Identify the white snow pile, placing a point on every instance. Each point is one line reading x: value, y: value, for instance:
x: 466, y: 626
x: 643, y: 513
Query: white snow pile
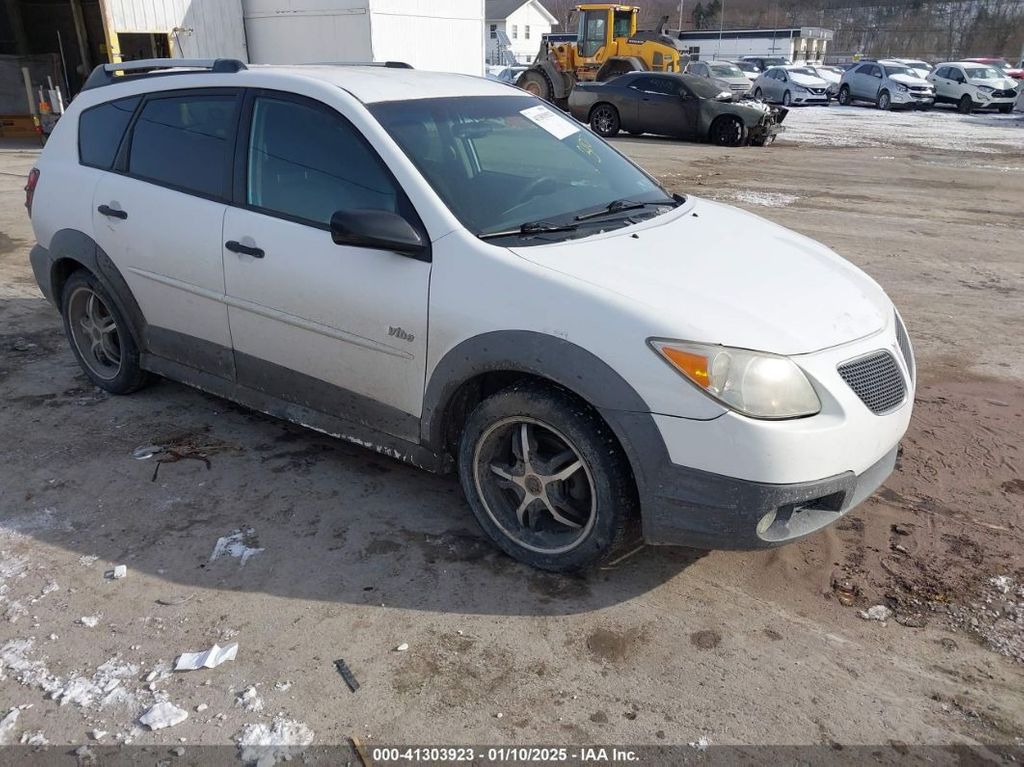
x: 7, y: 725
x: 103, y: 688
x: 163, y: 714
x: 12, y: 565
x: 879, y: 613
x: 236, y: 545
x: 250, y: 700
x: 765, y: 199
x: 265, y: 745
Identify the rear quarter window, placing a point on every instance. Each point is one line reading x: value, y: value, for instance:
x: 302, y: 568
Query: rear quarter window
x: 100, y: 130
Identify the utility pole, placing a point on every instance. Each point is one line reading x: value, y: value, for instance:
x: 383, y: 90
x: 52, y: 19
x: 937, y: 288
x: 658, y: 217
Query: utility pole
x: 721, y: 28
x: 680, y: 15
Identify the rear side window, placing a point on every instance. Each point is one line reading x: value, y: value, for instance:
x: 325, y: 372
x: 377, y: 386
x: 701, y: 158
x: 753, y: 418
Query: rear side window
x: 100, y: 130
x: 185, y: 142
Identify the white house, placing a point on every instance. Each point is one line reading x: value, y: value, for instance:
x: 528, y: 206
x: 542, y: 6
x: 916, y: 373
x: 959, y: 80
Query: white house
x: 515, y: 26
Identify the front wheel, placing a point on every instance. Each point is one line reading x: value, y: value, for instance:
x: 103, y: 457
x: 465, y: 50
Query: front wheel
x: 965, y: 105
x: 1005, y: 108
x: 546, y: 478
x: 757, y: 94
x: 604, y: 120
x: 844, y: 97
x: 728, y: 131
x: 787, y: 99
x: 884, y: 101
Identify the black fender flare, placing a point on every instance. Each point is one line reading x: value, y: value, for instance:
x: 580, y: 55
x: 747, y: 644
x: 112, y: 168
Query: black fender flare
x: 80, y: 247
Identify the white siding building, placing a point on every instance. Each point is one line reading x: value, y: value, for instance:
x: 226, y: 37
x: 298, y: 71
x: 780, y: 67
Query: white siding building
x: 796, y: 44
x: 522, y: 21
x: 137, y: 29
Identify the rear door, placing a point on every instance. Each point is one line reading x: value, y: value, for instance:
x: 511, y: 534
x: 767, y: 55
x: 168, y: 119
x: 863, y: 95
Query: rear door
x: 160, y: 220
x: 339, y: 329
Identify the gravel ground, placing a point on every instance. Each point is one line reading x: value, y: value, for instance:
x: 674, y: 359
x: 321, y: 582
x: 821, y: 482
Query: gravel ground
x: 327, y: 552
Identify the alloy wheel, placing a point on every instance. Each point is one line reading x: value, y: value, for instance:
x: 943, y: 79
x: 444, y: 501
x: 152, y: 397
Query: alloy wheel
x: 534, y: 485
x: 95, y: 333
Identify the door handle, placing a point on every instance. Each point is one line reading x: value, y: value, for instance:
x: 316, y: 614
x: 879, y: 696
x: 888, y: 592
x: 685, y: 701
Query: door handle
x: 236, y: 247
x: 106, y: 210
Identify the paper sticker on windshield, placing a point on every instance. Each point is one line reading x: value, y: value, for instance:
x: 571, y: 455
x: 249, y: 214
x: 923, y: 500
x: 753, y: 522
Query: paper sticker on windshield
x: 553, y: 123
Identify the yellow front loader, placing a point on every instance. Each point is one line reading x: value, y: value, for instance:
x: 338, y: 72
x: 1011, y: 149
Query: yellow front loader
x: 607, y: 43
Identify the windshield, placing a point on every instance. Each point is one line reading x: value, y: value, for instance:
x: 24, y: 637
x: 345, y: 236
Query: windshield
x: 775, y: 61
x: 918, y: 64
x: 891, y: 69
x: 983, y: 73
x: 802, y: 71
x: 725, y: 70
x: 746, y: 66
x: 499, y: 162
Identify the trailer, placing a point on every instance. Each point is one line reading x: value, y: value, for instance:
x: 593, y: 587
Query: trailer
x: 441, y: 35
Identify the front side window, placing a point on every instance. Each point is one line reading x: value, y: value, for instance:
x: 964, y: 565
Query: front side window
x: 306, y: 163
x: 185, y: 142
x: 498, y: 162
x: 100, y: 130
x: 623, y: 24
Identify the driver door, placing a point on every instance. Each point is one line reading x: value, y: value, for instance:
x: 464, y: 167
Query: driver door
x: 339, y: 329
x: 662, y: 107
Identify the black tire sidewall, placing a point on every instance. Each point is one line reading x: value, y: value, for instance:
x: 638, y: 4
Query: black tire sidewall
x: 844, y: 97
x: 719, y: 125
x: 596, y: 445
x: 131, y: 376
x: 616, y: 122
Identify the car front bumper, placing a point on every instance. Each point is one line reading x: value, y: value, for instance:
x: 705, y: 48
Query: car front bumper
x: 734, y: 482
x: 901, y: 99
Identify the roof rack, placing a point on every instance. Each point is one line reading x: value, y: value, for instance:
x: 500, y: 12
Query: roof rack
x: 106, y: 74
x: 385, y: 64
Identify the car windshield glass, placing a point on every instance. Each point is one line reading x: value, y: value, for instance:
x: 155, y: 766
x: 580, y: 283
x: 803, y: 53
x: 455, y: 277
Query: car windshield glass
x: 774, y: 60
x: 746, y: 66
x: 917, y: 64
x: 499, y: 162
x: 983, y: 73
x: 891, y: 69
x: 725, y: 70
x: 803, y: 71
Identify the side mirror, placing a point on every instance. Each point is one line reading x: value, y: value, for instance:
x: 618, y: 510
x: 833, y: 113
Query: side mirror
x: 377, y: 229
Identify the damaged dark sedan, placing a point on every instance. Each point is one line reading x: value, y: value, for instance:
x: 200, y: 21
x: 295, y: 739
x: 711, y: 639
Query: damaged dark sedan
x: 676, y: 105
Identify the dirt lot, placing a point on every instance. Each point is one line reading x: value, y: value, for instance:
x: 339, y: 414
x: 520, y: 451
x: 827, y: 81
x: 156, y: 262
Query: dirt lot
x: 358, y: 554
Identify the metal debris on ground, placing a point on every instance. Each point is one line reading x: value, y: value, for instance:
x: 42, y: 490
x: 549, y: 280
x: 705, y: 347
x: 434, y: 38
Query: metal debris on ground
x: 190, y: 661
x: 164, y: 714
x: 175, y: 601
x: 237, y: 545
x: 346, y: 674
x: 145, y: 452
x: 360, y: 747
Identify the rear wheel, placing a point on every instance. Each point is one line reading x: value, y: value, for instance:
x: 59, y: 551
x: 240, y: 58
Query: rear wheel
x: 537, y: 83
x: 884, y: 101
x: 99, y: 336
x: 965, y: 105
x: 844, y: 97
x: 545, y: 478
x: 728, y: 131
x: 604, y: 119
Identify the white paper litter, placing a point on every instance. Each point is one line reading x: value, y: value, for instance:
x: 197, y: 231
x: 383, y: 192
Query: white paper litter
x: 402, y: 647
x: 265, y: 745
x: 7, y: 725
x: 97, y: 734
x: 876, y: 613
x: 190, y: 661
x: 234, y: 545
x: 162, y: 715
x: 119, y: 572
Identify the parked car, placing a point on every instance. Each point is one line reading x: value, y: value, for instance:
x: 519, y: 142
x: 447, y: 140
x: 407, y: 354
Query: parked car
x: 678, y: 105
x: 455, y: 274
x: 830, y: 75
x: 886, y: 84
x: 920, y: 68
x: 791, y: 85
x: 505, y: 74
x: 750, y: 70
x: 763, y: 62
x: 973, y: 86
x: 1017, y: 73
x: 724, y: 75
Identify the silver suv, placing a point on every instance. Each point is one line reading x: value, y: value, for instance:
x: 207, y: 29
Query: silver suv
x: 886, y: 84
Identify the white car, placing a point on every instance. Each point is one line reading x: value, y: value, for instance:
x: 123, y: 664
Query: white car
x: 830, y: 75
x: 973, y: 86
x: 919, y: 67
x: 790, y: 85
x: 451, y: 272
x: 887, y: 84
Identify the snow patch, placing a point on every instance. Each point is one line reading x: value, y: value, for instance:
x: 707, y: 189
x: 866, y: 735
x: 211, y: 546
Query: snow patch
x: 265, y: 745
x: 236, y: 545
x: 766, y: 199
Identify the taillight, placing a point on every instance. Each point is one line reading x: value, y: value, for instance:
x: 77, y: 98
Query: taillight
x: 30, y: 188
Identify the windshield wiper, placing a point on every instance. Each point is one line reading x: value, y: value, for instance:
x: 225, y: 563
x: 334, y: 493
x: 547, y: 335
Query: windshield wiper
x: 618, y: 206
x: 529, y: 228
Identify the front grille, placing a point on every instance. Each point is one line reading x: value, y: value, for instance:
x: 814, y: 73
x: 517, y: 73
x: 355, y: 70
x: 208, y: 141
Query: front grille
x: 816, y: 91
x: 877, y: 380
x: 905, y: 348
x: 920, y: 89
x: 1003, y: 94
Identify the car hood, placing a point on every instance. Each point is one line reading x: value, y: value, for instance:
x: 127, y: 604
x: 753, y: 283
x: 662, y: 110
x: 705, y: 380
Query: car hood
x: 1002, y: 84
x: 711, y: 273
x: 908, y: 80
x: 829, y: 77
x: 808, y: 81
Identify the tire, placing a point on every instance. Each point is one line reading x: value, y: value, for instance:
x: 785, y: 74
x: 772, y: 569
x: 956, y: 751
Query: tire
x: 515, y: 494
x: 604, y: 120
x: 1005, y: 108
x: 844, y: 97
x: 536, y: 82
x: 787, y: 99
x: 99, y: 336
x: 758, y: 95
x: 964, y: 106
x: 884, y: 101
x: 728, y: 131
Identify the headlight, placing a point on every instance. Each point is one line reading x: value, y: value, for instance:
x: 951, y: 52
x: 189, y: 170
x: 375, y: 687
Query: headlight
x: 799, y: 87
x: 756, y: 384
x: 985, y: 88
x: 901, y: 88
